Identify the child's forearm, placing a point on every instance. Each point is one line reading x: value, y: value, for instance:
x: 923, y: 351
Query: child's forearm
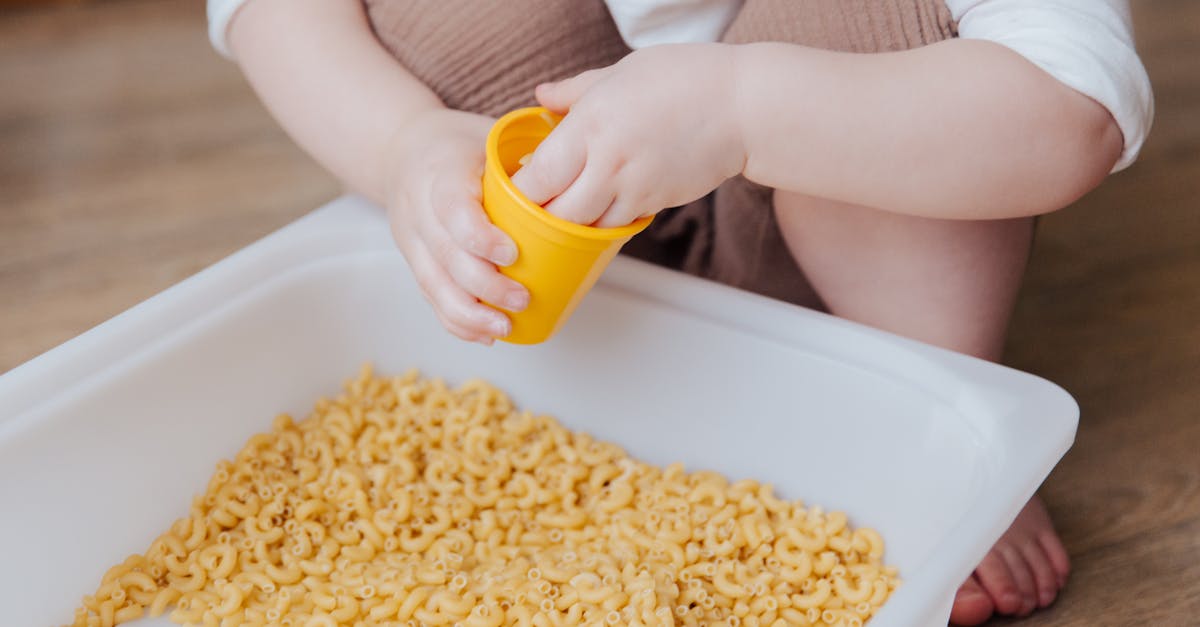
x: 959, y: 129
x: 320, y: 70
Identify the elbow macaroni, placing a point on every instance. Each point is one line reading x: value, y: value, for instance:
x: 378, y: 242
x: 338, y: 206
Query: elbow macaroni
x: 403, y: 502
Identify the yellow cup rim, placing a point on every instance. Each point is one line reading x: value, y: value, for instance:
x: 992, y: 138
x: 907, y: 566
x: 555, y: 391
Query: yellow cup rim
x: 494, y: 168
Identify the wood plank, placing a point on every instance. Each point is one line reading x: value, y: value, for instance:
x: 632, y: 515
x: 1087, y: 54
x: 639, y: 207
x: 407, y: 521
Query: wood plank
x: 1111, y: 310
x: 133, y: 157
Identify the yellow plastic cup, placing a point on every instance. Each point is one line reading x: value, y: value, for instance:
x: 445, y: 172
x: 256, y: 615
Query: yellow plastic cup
x: 557, y: 260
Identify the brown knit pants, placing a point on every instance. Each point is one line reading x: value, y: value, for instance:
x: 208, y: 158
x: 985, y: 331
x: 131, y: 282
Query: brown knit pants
x: 486, y: 56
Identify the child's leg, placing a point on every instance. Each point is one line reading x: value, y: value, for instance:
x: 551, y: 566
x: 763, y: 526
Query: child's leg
x: 952, y: 283
x: 948, y: 283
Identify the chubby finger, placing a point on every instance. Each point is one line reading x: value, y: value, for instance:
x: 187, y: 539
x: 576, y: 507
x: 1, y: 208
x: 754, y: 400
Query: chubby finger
x: 478, y: 277
x: 620, y: 213
x: 464, y: 333
x: 458, y: 311
x: 555, y: 164
x: 456, y: 205
x: 635, y: 198
x: 560, y: 96
x: 588, y: 198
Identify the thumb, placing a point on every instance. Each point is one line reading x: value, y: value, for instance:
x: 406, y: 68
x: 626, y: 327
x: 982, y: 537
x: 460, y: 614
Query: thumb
x: 559, y: 97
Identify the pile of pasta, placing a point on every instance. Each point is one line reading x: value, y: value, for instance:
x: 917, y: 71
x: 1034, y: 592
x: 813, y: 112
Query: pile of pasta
x: 405, y: 502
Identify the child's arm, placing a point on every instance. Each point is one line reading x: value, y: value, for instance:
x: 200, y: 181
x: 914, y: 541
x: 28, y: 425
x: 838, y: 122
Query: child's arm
x: 959, y: 129
x: 337, y: 92
x: 323, y: 74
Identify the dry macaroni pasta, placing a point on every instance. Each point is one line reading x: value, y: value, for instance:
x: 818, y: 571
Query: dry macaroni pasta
x: 403, y: 502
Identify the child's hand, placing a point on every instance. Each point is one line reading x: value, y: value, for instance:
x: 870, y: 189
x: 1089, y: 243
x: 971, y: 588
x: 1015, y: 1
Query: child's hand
x: 434, y: 170
x: 656, y: 130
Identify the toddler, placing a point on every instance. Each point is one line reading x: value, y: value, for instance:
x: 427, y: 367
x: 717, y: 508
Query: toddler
x: 880, y: 160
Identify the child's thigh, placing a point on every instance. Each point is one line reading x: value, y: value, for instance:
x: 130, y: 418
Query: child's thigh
x: 486, y: 56
x: 952, y: 283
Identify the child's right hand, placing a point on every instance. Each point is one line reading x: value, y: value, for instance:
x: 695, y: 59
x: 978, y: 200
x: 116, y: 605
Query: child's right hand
x: 434, y: 168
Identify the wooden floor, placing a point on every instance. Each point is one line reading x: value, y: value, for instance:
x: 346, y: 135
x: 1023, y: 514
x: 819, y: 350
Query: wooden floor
x: 131, y: 156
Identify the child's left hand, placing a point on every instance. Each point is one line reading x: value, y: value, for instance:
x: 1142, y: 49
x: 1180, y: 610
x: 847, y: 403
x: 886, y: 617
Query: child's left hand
x: 657, y: 129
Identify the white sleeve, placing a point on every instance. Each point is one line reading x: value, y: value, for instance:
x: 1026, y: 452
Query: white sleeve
x: 1085, y: 44
x: 220, y: 12
x: 651, y: 22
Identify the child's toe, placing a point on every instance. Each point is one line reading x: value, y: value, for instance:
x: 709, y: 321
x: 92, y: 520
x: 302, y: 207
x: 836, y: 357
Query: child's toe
x: 1044, y: 577
x: 998, y: 582
x: 1060, y: 562
x: 972, y: 606
x: 1023, y: 576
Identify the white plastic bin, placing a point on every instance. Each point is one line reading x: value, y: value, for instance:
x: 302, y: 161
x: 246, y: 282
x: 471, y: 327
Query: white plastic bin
x: 104, y: 440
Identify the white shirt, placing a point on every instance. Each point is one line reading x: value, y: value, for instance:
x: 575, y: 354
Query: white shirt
x: 1085, y: 44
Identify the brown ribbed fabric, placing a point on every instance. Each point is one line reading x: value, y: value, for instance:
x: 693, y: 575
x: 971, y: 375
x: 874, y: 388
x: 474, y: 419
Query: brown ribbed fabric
x: 844, y: 25
x: 732, y: 236
x: 486, y: 56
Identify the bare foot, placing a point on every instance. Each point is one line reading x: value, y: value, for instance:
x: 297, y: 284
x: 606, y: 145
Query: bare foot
x: 1023, y: 571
